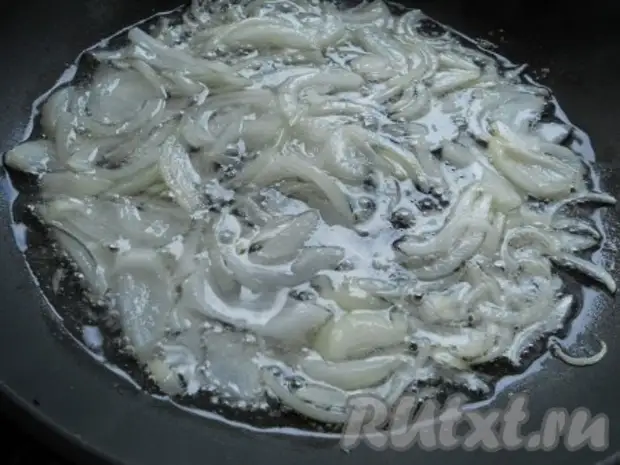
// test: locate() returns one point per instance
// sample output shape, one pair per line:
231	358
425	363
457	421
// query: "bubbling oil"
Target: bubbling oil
97	326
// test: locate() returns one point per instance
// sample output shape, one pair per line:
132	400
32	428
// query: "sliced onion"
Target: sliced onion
448	81
559	352
263	33
598	273
180	176
157	54
536	180
34	157
294	324
281	241
73	184
350	295
372	67
374	13
330	414
357	374
143	297
287	167
359	333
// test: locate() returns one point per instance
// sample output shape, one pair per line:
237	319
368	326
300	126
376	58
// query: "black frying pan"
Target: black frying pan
90	413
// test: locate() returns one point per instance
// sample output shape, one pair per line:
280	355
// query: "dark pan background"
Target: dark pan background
65	400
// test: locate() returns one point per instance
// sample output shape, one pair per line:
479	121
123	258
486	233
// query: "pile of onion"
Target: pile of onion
284	198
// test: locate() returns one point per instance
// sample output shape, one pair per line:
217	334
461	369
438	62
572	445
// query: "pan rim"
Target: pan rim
78	385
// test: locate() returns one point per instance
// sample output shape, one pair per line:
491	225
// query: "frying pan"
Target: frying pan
56	389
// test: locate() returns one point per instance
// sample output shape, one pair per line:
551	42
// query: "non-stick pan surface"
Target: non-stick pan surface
88	412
